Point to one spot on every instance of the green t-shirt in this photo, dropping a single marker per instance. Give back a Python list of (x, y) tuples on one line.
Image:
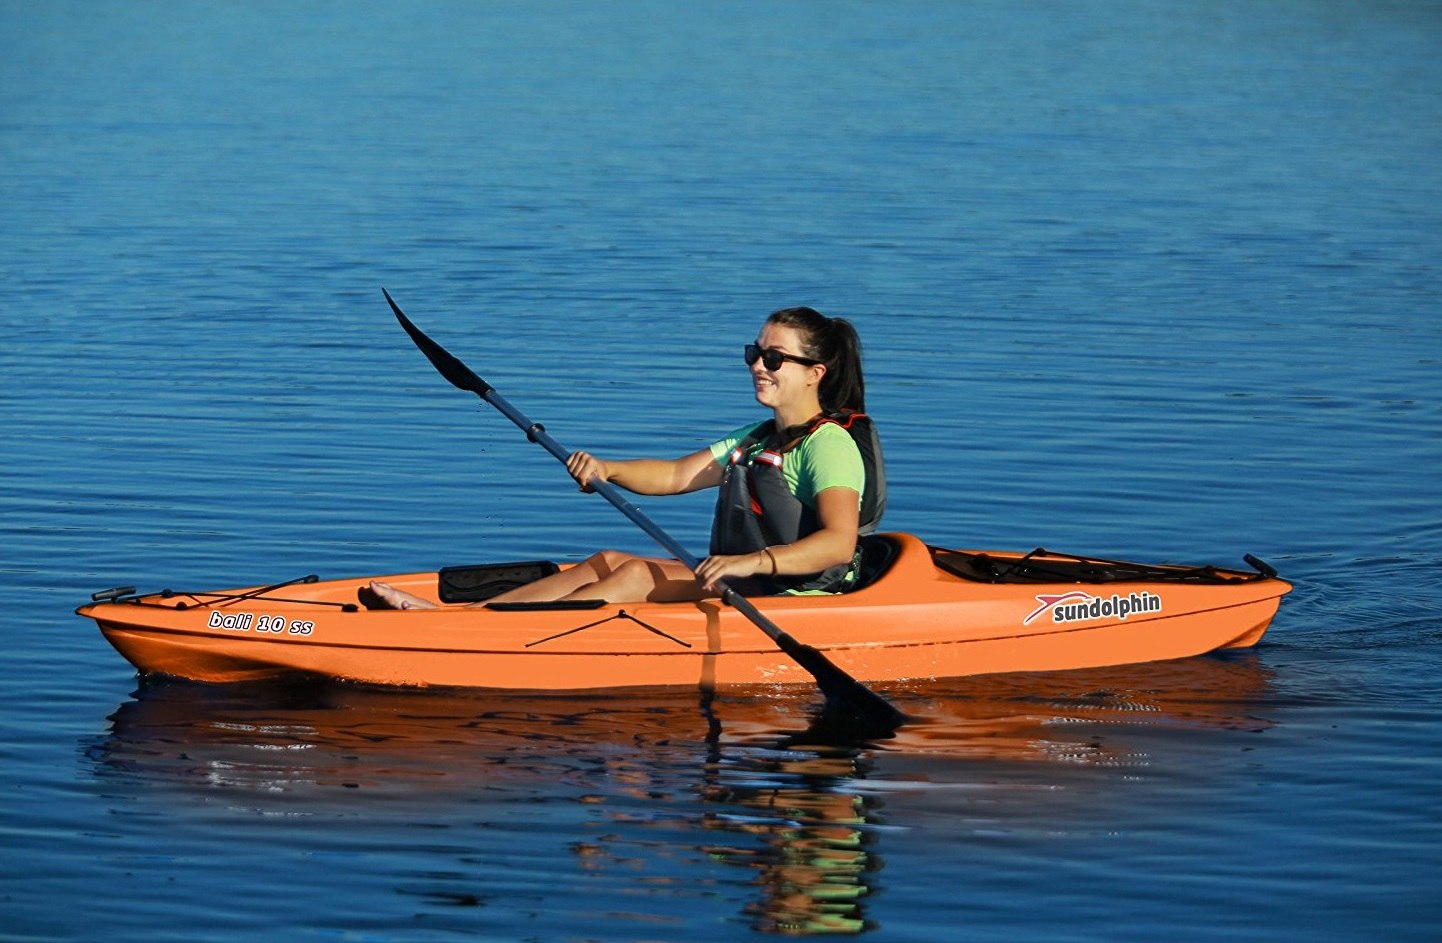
[(827, 458)]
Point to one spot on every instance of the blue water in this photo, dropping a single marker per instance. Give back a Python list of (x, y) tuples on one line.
[(1150, 279)]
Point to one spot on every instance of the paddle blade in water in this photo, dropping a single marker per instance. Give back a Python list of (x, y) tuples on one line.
[(844, 694)]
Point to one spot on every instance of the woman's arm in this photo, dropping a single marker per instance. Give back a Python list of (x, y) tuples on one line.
[(649, 475)]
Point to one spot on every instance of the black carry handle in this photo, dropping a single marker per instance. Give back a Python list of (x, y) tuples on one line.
[(1261, 566)]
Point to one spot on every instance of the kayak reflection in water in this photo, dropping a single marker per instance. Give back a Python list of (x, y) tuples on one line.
[(796, 490)]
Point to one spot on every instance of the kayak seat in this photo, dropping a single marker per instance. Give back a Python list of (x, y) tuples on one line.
[(878, 553)]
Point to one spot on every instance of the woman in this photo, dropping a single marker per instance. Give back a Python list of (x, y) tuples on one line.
[(793, 502)]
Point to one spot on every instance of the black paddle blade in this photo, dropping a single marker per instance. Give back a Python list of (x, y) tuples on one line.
[(459, 375), (843, 693)]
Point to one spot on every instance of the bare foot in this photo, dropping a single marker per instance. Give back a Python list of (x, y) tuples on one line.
[(399, 598)]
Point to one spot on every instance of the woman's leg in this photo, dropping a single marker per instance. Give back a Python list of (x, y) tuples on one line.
[(545, 589), (642, 579), (610, 575), (563, 584)]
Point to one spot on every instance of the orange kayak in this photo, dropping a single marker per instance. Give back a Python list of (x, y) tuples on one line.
[(924, 613)]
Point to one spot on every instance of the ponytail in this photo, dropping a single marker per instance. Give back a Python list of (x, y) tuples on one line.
[(835, 343)]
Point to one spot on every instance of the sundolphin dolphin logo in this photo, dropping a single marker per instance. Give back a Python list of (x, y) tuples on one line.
[(1047, 602)]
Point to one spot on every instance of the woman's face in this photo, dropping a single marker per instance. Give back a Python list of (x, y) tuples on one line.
[(790, 379)]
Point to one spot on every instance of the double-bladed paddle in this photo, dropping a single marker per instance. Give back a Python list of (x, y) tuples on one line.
[(840, 689)]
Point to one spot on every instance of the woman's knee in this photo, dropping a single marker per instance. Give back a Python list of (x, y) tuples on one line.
[(633, 569), (605, 562)]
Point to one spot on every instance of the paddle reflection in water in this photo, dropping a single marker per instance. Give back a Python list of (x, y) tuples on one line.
[(650, 807)]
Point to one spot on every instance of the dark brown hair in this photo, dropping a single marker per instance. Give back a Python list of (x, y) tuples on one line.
[(834, 342)]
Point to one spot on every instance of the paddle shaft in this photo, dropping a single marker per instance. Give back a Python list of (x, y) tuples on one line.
[(840, 688)]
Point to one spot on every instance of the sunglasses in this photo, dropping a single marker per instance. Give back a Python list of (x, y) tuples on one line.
[(772, 359)]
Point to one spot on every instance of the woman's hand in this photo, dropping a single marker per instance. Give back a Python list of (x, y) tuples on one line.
[(585, 468), (729, 567)]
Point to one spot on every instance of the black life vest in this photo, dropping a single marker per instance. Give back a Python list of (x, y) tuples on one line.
[(756, 510)]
